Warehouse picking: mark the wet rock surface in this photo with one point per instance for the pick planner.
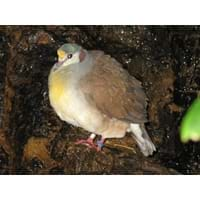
(33, 140)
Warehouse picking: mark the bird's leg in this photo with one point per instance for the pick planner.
(89, 142)
(100, 144)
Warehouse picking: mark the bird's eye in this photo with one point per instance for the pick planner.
(69, 56)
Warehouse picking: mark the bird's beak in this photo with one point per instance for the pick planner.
(61, 54)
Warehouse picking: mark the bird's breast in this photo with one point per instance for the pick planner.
(57, 88)
(69, 102)
(62, 96)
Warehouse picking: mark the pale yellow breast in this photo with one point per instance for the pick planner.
(59, 92)
(57, 87)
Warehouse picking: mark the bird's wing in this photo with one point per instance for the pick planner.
(113, 91)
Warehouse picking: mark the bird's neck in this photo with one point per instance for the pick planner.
(78, 70)
(74, 72)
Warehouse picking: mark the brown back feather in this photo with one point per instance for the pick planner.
(113, 91)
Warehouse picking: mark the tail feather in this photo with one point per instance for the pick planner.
(142, 138)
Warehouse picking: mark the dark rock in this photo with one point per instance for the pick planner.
(33, 140)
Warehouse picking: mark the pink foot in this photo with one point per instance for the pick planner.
(88, 142)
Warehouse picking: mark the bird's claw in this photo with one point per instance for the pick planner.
(88, 142)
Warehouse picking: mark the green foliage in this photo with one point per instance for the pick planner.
(190, 125)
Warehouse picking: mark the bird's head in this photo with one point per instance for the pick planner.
(70, 54)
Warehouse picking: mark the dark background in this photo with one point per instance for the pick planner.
(33, 140)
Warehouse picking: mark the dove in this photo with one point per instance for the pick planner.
(91, 90)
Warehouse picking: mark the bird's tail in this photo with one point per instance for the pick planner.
(142, 138)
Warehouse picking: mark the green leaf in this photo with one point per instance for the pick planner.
(190, 125)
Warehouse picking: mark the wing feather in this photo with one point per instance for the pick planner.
(113, 91)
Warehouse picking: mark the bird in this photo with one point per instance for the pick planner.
(92, 90)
